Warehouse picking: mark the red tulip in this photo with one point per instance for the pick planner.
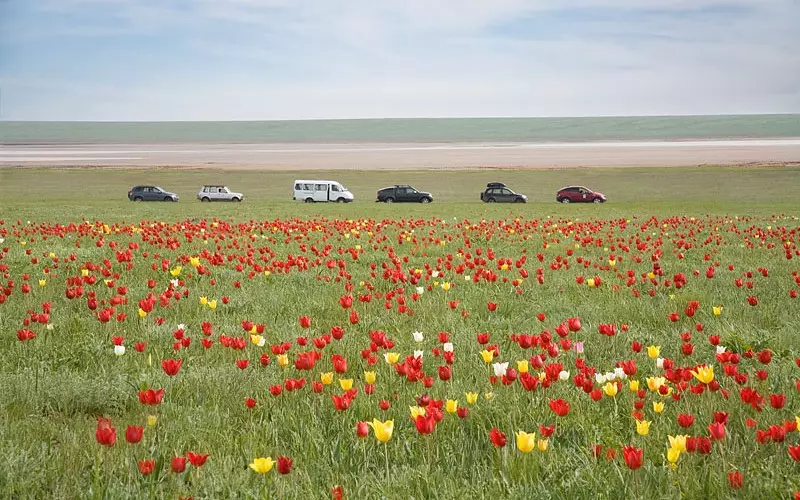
(492, 306)
(151, 397)
(305, 322)
(444, 373)
(777, 401)
(425, 424)
(284, 465)
(197, 459)
(362, 429)
(735, 480)
(337, 493)
(146, 467)
(498, 438)
(794, 452)
(171, 366)
(632, 456)
(717, 431)
(178, 464)
(106, 434)
(559, 407)
(250, 403)
(685, 420)
(134, 434)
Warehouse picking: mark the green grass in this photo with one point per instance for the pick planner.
(56, 385)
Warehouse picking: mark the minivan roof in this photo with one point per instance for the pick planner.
(301, 180)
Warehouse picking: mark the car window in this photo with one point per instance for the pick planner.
(334, 187)
(505, 191)
(321, 187)
(297, 187)
(308, 187)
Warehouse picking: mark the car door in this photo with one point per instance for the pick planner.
(506, 196)
(321, 192)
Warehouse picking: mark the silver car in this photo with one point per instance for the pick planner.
(218, 193)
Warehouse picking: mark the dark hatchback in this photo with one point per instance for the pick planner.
(403, 193)
(151, 193)
(497, 192)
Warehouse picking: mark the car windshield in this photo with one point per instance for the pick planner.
(157, 188)
(342, 187)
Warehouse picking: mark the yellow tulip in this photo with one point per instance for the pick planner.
(142, 313)
(522, 366)
(212, 304)
(653, 351)
(446, 286)
(416, 411)
(203, 300)
(634, 385)
(488, 396)
(542, 444)
(678, 442)
(487, 356)
(369, 377)
(262, 465)
(42, 282)
(643, 427)
(704, 374)
(195, 261)
(257, 340)
(391, 357)
(451, 406)
(472, 397)
(267, 274)
(346, 383)
(653, 383)
(658, 406)
(612, 262)
(283, 359)
(326, 378)
(152, 420)
(254, 330)
(717, 310)
(526, 442)
(383, 430)
(610, 389)
(84, 272)
(590, 282)
(175, 271)
(673, 455)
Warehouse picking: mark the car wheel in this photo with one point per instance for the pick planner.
(340, 200)
(389, 200)
(597, 200)
(519, 200)
(309, 200)
(138, 198)
(235, 199)
(564, 200)
(491, 200)
(204, 199)
(425, 200)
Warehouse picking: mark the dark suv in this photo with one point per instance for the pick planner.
(499, 193)
(579, 194)
(403, 193)
(151, 193)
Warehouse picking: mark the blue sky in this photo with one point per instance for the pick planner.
(299, 59)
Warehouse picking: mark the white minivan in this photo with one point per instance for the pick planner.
(313, 191)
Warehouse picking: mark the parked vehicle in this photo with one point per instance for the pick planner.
(321, 191)
(403, 193)
(218, 193)
(151, 193)
(497, 192)
(579, 194)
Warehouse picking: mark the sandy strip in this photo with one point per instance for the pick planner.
(405, 156)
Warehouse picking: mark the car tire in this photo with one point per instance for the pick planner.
(204, 199)
(519, 200)
(491, 200)
(564, 200)
(309, 200)
(597, 200)
(138, 198)
(425, 200)
(235, 199)
(341, 200)
(389, 200)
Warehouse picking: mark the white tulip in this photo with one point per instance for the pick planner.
(418, 354)
(418, 337)
(600, 378)
(448, 347)
(611, 376)
(420, 290)
(620, 373)
(563, 375)
(720, 349)
(119, 350)
(181, 327)
(174, 282)
(500, 369)
(660, 362)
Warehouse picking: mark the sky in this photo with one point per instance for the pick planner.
(305, 59)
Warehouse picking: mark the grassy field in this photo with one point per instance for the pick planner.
(634, 266)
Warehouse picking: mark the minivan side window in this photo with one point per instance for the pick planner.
(321, 187)
(334, 187)
(297, 187)
(308, 187)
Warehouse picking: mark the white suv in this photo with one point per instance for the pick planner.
(218, 193)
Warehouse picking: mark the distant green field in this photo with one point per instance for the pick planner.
(69, 194)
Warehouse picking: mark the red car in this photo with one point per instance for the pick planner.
(579, 194)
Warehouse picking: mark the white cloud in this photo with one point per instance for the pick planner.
(366, 58)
